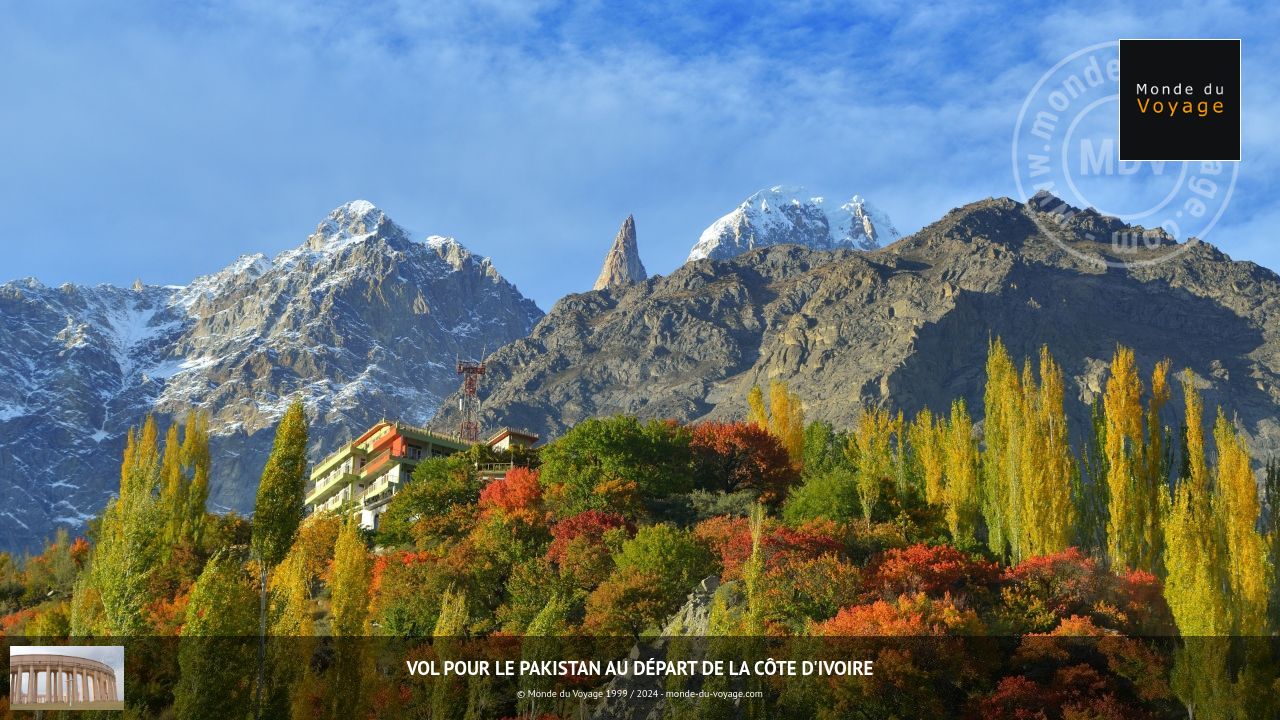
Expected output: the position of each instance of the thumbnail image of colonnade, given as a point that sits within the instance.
(66, 680)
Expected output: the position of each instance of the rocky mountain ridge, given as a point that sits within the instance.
(361, 320)
(906, 326)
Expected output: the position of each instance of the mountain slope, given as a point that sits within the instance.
(784, 215)
(906, 325)
(361, 320)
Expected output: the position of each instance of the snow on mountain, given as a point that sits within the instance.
(788, 215)
(360, 320)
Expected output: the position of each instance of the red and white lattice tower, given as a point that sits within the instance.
(469, 403)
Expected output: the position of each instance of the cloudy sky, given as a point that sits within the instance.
(159, 140)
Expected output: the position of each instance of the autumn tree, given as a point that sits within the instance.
(1001, 430)
(874, 449)
(1194, 556)
(962, 491)
(1045, 464)
(1136, 463)
(925, 439)
(729, 457)
(1238, 509)
(349, 588)
(784, 417)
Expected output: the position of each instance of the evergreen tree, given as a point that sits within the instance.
(278, 509)
(349, 590)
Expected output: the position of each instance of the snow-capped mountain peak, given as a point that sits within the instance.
(359, 320)
(788, 214)
(350, 223)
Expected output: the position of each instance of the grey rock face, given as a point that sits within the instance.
(622, 265)
(906, 326)
(361, 321)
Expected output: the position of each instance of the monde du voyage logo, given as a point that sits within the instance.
(1146, 131)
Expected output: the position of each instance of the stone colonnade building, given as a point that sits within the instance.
(64, 679)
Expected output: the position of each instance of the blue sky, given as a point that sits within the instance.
(161, 140)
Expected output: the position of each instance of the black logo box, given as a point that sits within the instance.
(1187, 68)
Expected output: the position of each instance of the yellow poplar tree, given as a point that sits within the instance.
(784, 417)
(1045, 465)
(1238, 509)
(756, 412)
(786, 420)
(1001, 428)
(350, 583)
(963, 492)
(1193, 554)
(871, 449)
(925, 438)
(1135, 460)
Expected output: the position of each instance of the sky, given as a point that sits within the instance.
(159, 141)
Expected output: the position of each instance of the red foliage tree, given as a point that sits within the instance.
(1068, 583)
(907, 616)
(731, 539)
(518, 495)
(739, 456)
(929, 569)
(590, 525)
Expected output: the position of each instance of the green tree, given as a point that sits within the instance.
(278, 508)
(615, 464)
(196, 468)
(214, 654)
(444, 489)
(112, 598)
